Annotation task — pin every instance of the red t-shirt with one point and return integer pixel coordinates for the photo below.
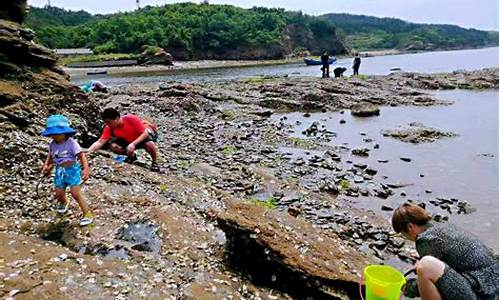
(131, 129)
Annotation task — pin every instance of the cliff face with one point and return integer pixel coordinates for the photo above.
(299, 36)
(294, 36)
(31, 88)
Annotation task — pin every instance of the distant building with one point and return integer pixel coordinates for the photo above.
(73, 52)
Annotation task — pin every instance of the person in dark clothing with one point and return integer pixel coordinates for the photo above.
(356, 64)
(453, 265)
(339, 71)
(326, 67)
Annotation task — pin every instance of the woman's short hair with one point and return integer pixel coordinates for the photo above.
(409, 213)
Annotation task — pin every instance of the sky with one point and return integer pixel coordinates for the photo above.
(480, 14)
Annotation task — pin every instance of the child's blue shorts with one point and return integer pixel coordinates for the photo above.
(67, 176)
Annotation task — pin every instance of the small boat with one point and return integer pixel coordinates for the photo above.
(317, 62)
(103, 72)
(395, 69)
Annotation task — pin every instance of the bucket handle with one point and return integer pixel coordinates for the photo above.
(361, 282)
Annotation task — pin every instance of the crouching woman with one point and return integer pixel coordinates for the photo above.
(453, 263)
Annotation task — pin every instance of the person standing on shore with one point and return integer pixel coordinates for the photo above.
(453, 265)
(355, 65)
(71, 166)
(326, 67)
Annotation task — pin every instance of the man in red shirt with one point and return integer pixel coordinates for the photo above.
(125, 134)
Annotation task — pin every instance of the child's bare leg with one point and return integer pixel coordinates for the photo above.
(61, 195)
(77, 195)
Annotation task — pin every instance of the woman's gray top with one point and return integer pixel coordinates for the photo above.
(463, 253)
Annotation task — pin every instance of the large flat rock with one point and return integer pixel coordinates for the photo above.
(287, 252)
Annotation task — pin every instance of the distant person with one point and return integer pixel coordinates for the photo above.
(356, 64)
(71, 166)
(453, 265)
(98, 86)
(94, 86)
(326, 66)
(339, 72)
(125, 134)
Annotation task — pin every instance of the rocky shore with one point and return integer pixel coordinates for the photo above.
(231, 215)
(177, 66)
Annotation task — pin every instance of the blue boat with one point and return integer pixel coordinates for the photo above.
(317, 62)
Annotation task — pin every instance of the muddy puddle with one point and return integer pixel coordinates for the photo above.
(463, 168)
(142, 235)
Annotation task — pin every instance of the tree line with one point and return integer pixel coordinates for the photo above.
(186, 29)
(197, 31)
(371, 33)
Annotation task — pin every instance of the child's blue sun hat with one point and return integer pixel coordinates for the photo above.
(57, 124)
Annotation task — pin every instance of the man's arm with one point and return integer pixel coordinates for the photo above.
(131, 146)
(97, 145)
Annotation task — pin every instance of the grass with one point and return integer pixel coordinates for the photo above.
(228, 115)
(299, 142)
(344, 184)
(276, 161)
(163, 187)
(255, 80)
(229, 150)
(184, 164)
(360, 76)
(96, 57)
(269, 203)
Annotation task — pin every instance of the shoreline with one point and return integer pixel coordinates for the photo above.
(384, 52)
(180, 66)
(220, 64)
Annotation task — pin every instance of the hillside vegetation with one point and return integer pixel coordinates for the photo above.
(372, 33)
(189, 31)
(202, 31)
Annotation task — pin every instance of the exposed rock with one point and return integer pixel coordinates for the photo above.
(156, 56)
(387, 208)
(417, 133)
(364, 110)
(32, 91)
(290, 254)
(14, 10)
(360, 151)
(16, 47)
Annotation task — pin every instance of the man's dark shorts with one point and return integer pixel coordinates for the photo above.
(152, 137)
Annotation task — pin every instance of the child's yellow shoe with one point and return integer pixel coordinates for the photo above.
(62, 208)
(87, 219)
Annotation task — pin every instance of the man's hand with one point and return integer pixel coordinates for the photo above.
(130, 149)
(85, 174)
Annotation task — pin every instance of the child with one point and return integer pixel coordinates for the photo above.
(64, 151)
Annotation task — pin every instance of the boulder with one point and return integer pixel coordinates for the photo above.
(17, 48)
(417, 133)
(365, 110)
(289, 254)
(155, 56)
(31, 88)
(13, 10)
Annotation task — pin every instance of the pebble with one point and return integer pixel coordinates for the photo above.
(387, 208)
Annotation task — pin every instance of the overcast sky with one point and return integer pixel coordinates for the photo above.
(481, 14)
